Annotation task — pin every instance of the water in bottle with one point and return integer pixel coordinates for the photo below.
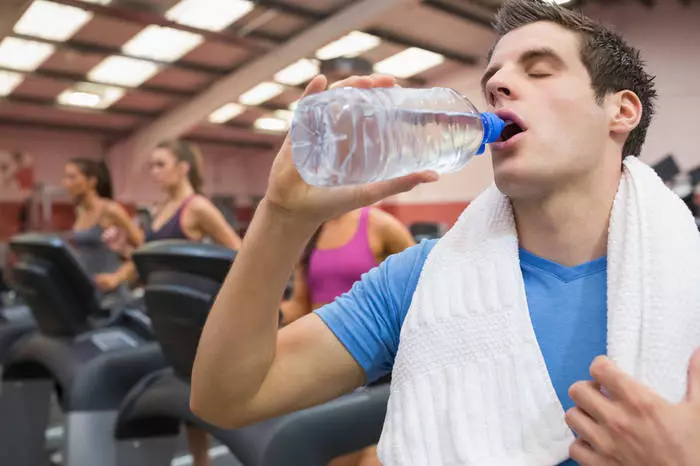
(350, 136)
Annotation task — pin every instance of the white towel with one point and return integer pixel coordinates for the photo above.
(470, 386)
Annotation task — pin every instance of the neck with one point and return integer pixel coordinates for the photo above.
(180, 192)
(89, 201)
(570, 226)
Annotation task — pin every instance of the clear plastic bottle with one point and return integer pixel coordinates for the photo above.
(350, 136)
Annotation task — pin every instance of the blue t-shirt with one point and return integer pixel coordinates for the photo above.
(568, 310)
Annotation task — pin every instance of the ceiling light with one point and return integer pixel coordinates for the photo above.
(123, 71)
(261, 93)
(90, 95)
(98, 2)
(214, 15)
(162, 43)
(79, 99)
(51, 20)
(351, 45)
(275, 125)
(226, 113)
(285, 115)
(24, 55)
(9, 81)
(298, 72)
(409, 62)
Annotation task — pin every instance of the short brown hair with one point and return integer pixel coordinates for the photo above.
(612, 64)
(186, 152)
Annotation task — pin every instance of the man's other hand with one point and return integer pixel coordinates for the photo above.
(621, 422)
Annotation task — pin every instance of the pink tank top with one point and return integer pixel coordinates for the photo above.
(332, 272)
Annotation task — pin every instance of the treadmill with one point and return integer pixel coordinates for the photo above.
(15, 317)
(88, 356)
(182, 279)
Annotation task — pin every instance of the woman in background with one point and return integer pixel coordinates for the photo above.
(337, 255)
(187, 215)
(98, 216)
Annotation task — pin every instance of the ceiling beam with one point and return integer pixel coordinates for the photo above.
(256, 145)
(70, 79)
(487, 5)
(299, 11)
(285, 8)
(81, 47)
(33, 123)
(149, 17)
(10, 12)
(146, 115)
(146, 17)
(458, 12)
(181, 119)
(112, 133)
(309, 14)
(463, 58)
(43, 102)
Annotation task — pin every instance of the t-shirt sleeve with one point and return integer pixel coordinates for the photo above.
(367, 320)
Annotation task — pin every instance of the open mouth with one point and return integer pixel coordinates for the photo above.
(511, 129)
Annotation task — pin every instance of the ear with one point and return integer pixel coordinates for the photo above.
(184, 167)
(625, 112)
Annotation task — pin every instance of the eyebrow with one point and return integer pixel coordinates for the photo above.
(530, 55)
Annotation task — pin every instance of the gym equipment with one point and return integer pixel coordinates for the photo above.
(426, 230)
(227, 206)
(90, 357)
(15, 322)
(15, 317)
(182, 278)
(39, 206)
(667, 168)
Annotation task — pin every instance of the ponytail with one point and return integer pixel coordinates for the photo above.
(104, 186)
(190, 154)
(98, 170)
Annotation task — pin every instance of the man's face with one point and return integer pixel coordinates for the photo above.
(537, 78)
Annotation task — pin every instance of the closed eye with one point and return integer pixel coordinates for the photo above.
(539, 75)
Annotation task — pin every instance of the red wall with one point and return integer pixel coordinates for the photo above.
(62, 218)
(446, 213)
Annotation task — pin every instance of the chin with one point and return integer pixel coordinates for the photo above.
(516, 179)
(509, 167)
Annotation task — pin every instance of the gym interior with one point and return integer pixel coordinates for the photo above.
(102, 104)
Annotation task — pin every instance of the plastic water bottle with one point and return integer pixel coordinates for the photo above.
(350, 136)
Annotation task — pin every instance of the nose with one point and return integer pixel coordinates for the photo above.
(499, 90)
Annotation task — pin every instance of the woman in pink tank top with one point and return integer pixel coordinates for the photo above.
(337, 256)
(339, 253)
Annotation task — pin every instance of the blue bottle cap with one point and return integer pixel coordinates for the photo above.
(493, 127)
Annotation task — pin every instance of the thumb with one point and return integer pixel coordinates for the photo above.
(693, 392)
(376, 192)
